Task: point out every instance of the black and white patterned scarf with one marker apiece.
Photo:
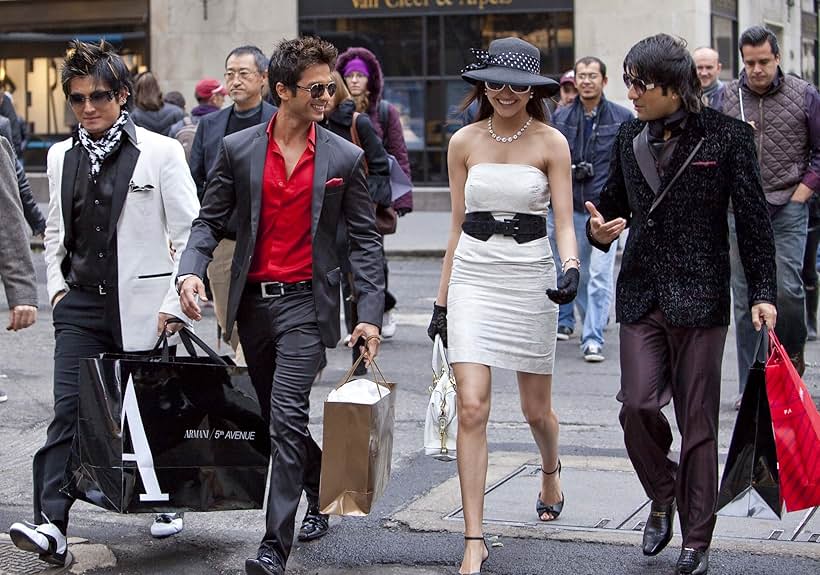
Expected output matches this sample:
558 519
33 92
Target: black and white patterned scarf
99 150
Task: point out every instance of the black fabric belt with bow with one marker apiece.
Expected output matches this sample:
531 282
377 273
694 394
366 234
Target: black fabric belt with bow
522 227
278 289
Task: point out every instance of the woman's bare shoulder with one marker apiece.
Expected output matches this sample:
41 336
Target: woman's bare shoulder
465 137
549 134
467 133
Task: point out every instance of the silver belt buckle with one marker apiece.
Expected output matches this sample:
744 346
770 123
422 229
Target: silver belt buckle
276 285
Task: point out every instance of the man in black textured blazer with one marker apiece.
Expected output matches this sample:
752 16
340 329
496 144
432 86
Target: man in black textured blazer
290 183
674 170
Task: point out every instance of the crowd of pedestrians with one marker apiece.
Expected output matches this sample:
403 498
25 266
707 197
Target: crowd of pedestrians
269 208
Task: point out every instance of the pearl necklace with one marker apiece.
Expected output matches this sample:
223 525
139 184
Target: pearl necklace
508 139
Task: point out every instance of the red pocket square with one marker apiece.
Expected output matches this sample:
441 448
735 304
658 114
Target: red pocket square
705 164
334 182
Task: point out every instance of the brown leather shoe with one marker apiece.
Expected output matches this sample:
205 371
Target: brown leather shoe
658 530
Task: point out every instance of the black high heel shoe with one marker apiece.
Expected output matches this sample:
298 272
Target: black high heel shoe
487 549
553 509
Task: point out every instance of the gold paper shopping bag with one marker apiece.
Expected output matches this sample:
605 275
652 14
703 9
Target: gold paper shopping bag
357 445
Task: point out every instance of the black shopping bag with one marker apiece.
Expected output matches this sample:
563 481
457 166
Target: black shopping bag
751 482
168 433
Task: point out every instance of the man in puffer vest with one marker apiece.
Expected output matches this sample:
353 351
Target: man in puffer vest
784 112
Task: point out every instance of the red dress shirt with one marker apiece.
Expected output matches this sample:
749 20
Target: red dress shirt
283 242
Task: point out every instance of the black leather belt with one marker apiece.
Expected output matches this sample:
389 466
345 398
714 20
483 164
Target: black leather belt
522 227
268 290
99 289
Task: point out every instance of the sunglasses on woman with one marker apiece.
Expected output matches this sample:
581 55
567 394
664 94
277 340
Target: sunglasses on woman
639 85
316 90
514 88
98 99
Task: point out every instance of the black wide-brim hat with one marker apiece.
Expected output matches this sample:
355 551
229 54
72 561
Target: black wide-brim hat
509 61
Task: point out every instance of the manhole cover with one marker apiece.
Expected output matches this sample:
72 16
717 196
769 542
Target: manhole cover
16 562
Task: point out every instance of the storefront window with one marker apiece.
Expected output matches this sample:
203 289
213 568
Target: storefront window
724 40
408 97
422 56
396 42
724 37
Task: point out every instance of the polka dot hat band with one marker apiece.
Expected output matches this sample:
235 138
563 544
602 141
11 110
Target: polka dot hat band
509 61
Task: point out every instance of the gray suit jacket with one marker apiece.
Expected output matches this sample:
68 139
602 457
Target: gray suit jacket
16 265
236 184
32 213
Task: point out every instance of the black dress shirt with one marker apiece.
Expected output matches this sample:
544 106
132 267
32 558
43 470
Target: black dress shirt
91 255
661 144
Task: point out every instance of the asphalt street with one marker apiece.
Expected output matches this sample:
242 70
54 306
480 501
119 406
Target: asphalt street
414 528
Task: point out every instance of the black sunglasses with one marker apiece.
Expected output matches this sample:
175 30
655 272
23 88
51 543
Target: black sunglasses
97 99
316 90
515 88
640 86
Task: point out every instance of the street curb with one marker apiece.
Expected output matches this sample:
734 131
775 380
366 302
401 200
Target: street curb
425 514
438 254
84 557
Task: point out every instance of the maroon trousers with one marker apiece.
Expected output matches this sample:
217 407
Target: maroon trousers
660 362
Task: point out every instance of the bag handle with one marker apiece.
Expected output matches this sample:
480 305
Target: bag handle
761 354
374 369
439 360
189 338
162 341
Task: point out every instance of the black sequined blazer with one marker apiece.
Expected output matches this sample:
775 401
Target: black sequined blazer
677 255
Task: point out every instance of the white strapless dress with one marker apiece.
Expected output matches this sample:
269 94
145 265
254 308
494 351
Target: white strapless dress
498 313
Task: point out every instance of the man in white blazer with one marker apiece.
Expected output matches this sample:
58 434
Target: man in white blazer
120 211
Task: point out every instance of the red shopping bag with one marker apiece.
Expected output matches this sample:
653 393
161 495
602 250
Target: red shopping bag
796 425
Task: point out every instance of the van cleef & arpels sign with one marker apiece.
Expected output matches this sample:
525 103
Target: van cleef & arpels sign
347 8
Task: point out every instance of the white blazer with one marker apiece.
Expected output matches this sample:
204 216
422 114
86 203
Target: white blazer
157 213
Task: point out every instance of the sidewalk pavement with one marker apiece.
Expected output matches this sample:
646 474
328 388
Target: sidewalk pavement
419 234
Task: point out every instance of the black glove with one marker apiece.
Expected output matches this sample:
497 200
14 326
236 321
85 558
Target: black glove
567 287
438 324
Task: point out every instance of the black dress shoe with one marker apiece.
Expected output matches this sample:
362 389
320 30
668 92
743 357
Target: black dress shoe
658 531
692 562
265 563
314 525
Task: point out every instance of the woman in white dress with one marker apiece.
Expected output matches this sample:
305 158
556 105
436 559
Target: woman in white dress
497 299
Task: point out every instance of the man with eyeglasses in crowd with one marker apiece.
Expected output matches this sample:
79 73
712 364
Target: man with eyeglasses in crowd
674 170
289 183
246 73
784 113
119 197
589 125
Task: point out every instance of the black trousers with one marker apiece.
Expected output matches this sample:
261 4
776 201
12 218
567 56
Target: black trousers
80 330
660 362
283 349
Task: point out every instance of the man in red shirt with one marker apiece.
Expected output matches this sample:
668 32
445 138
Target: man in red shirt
290 182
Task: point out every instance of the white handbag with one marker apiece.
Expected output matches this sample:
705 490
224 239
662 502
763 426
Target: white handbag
441 421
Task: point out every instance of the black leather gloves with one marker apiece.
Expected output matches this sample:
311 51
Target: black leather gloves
567 287
438 324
